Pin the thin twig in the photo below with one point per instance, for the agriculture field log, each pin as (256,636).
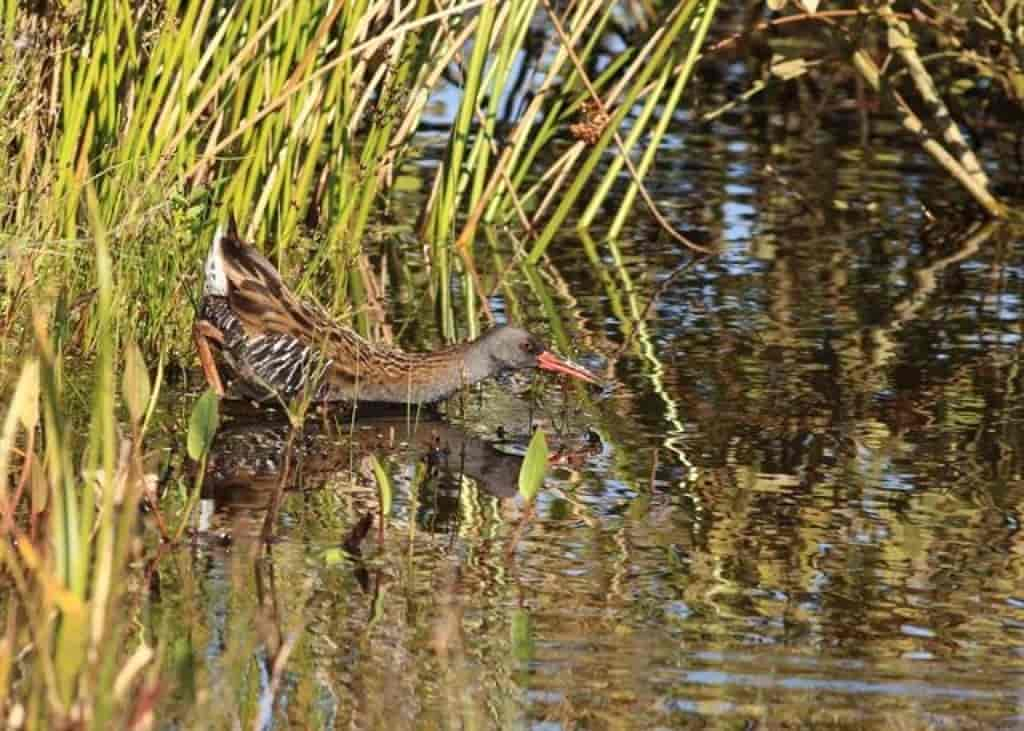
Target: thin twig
(276,676)
(899,37)
(913,124)
(819,16)
(673,275)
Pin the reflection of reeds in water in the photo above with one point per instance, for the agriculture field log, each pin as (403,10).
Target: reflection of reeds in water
(624,299)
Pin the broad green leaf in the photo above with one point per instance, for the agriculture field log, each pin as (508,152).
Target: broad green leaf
(203,425)
(535,466)
(183,662)
(522,636)
(135,386)
(383,485)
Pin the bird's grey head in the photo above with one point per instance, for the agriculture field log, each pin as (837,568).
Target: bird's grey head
(512,348)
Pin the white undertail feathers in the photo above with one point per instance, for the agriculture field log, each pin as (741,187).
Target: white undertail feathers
(216,282)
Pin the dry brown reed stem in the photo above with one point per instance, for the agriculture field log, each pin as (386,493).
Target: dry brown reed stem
(560,168)
(633,69)
(662,288)
(311,50)
(468,231)
(966,170)
(525,520)
(571,156)
(374,296)
(819,16)
(277,674)
(913,124)
(554,170)
(900,40)
(500,176)
(634,174)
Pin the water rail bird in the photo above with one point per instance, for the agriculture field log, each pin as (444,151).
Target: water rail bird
(274,347)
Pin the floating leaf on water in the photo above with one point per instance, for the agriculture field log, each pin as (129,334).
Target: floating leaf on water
(333,556)
(135,386)
(535,466)
(383,485)
(203,424)
(790,68)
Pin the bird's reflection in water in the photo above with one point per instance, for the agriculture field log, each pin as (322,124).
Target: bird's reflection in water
(252,457)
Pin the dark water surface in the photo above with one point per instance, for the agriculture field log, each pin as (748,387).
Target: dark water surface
(803,510)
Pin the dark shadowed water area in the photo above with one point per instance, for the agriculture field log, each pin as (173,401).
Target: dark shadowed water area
(798,506)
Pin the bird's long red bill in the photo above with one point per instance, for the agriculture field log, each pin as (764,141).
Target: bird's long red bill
(551,362)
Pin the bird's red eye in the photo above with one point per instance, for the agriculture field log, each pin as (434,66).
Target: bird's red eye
(527,347)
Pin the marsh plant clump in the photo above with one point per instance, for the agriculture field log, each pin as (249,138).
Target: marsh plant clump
(129,130)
